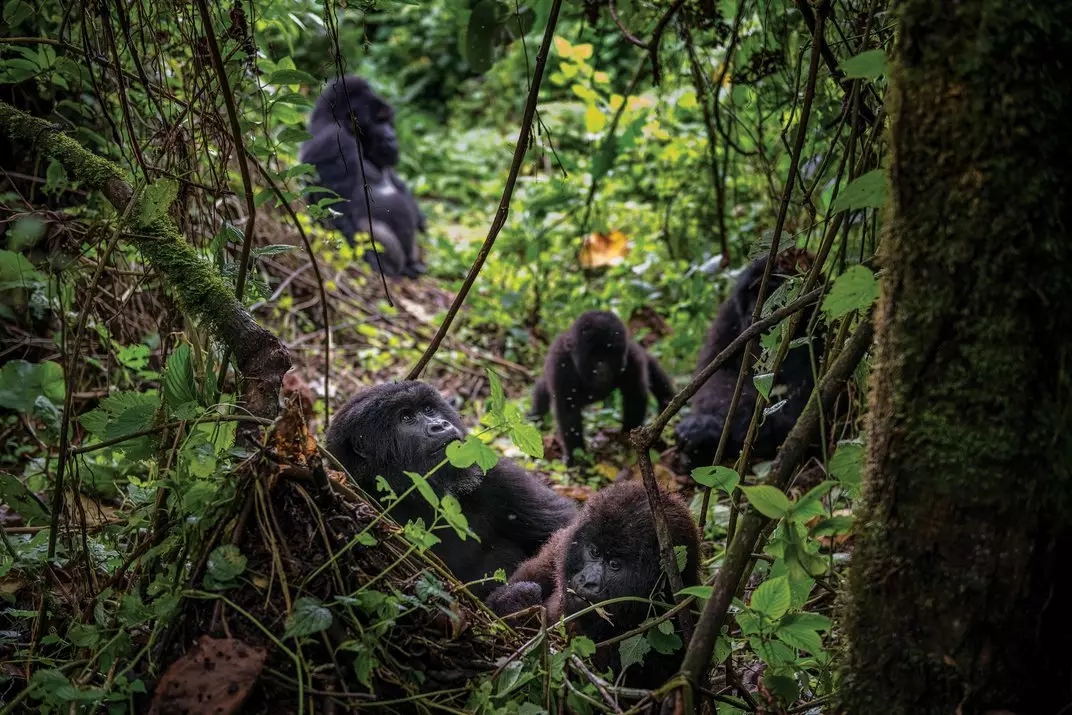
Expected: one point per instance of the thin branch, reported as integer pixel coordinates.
(504, 203)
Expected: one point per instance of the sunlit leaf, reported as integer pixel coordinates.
(866, 65)
(768, 501)
(772, 598)
(717, 477)
(855, 289)
(867, 191)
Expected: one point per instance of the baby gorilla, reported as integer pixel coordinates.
(397, 427)
(698, 434)
(609, 551)
(588, 362)
(333, 150)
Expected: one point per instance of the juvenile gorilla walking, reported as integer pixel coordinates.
(333, 150)
(609, 551)
(698, 434)
(400, 427)
(588, 362)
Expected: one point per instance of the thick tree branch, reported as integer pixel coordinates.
(201, 293)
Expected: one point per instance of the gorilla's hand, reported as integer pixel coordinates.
(514, 597)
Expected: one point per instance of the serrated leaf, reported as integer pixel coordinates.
(179, 386)
(810, 621)
(664, 640)
(225, 563)
(498, 395)
(291, 76)
(772, 598)
(701, 592)
(855, 289)
(866, 191)
(156, 199)
(471, 451)
(723, 649)
(722, 478)
(866, 65)
(424, 488)
(633, 650)
(784, 687)
(582, 646)
(847, 465)
(528, 439)
(800, 638)
(767, 500)
(416, 534)
(681, 557)
(309, 616)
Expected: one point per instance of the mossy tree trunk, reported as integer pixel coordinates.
(961, 588)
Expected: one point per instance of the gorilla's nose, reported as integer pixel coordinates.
(439, 426)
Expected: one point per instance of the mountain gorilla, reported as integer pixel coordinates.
(396, 219)
(588, 362)
(609, 551)
(397, 427)
(698, 434)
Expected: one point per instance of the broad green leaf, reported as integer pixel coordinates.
(867, 191)
(847, 465)
(763, 383)
(800, 638)
(291, 76)
(722, 478)
(22, 382)
(451, 510)
(701, 592)
(156, 199)
(498, 395)
(179, 387)
(723, 649)
(772, 597)
(855, 289)
(784, 687)
(21, 500)
(309, 616)
(582, 646)
(809, 621)
(528, 439)
(811, 504)
(633, 650)
(664, 639)
(471, 451)
(866, 65)
(226, 563)
(768, 501)
(84, 635)
(424, 488)
(15, 270)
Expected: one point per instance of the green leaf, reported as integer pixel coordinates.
(723, 649)
(55, 176)
(498, 395)
(800, 638)
(16, 271)
(179, 387)
(722, 478)
(366, 539)
(156, 199)
(832, 526)
(225, 563)
(22, 382)
(309, 616)
(855, 289)
(416, 534)
(681, 557)
(768, 501)
(582, 646)
(21, 500)
(701, 592)
(451, 509)
(764, 382)
(84, 635)
(811, 504)
(273, 250)
(663, 639)
(847, 465)
(528, 439)
(772, 597)
(424, 488)
(633, 650)
(472, 451)
(866, 65)
(291, 76)
(294, 134)
(809, 621)
(867, 191)
(784, 687)
(481, 35)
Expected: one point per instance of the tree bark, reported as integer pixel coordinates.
(961, 583)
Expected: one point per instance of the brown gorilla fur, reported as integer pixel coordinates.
(616, 528)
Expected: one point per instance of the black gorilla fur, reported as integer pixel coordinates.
(396, 219)
(609, 551)
(397, 427)
(588, 362)
(698, 434)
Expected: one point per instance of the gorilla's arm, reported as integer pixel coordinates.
(633, 385)
(525, 508)
(534, 581)
(334, 154)
(541, 399)
(660, 383)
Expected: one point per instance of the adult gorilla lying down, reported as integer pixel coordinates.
(400, 427)
(333, 150)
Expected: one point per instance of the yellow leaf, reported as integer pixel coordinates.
(604, 249)
(616, 101)
(582, 52)
(687, 101)
(594, 121)
(601, 78)
(562, 46)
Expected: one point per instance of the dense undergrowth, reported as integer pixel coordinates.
(175, 520)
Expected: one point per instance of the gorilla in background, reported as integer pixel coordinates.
(397, 427)
(588, 362)
(698, 434)
(396, 219)
(609, 551)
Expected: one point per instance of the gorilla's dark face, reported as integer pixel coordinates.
(394, 428)
(600, 342)
(375, 118)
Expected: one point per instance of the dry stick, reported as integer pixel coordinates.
(779, 226)
(504, 203)
(699, 651)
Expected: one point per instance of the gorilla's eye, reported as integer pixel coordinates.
(406, 416)
(615, 565)
(593, 552)
(428, 410)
